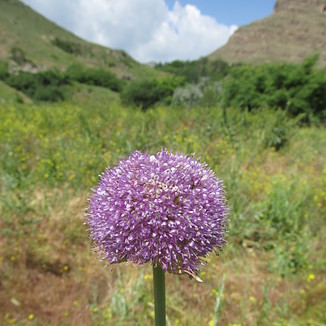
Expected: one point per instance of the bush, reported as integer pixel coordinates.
(193, 71)
(68, 46)
(296, 88)
(205, 94)
(3, 70)
(24, 81)
(43, 86)
(74, 71)
(211, 94)
(49, 94)
(147, 93)
(49, 85)
(18, 55)
(189, 95)
(97, 77)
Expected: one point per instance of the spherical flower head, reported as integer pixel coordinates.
(167, 209)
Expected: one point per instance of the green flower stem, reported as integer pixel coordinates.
(159, 296)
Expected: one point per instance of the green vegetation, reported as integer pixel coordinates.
(148, 93)
(300, 89)
(10, 95)
(50, 156)
(18, 55)
(30, 40)
(51, 85)
(91, 76)
(193, 71)
(261, 128)
(43, 86)
(3, 69)
(68, 46)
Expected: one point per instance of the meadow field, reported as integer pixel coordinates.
(271, 272)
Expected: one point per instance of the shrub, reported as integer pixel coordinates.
(24, 81)
(3, 70)
(141, 93)
(296, 88)
(91, 76)
(18, 55)
(211, 94)
(189, 95)
(102, 78)
(49, 94)
(193, 71)
(74, 71)
(204, 93)
(43, 86)
(68, 46)
(147, 93)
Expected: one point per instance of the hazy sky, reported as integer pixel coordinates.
(155, 30)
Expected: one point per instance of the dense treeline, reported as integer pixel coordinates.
(300, 89)
(43, 86)
(297, 88)
(50, 85)
(147, 93)
(94, 76)
(193, 71)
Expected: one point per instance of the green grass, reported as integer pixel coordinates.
(50, 157)
(93, 96)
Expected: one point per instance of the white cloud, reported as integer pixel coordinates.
(146, 29)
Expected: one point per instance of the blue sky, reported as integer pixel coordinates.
(155, 30)
(238, 12)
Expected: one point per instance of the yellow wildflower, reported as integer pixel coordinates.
(252, 299)
(310, 277)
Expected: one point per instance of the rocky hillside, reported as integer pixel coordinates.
(301, 5)
(295, 30)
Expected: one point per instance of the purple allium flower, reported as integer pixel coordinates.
(167, 209)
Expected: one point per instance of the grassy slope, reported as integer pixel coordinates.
(275, 261)
(283, 36)
(22, 27)
(11, 95)
(90, 96)
(7, 93)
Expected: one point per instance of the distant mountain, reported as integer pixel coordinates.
(295, 30)
(31, 42)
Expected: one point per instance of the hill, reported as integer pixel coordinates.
(295, 30)
(32, 43)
